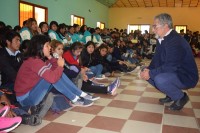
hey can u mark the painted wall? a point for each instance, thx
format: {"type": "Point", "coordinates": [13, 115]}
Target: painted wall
{"type": "Point", "coordinates": [9, 12]}
{"type": "Point", "coordinates": [59, 10]}
{"type": "Point", "coordinates": [121, 17]}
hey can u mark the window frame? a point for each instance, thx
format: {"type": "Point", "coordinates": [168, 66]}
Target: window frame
{"type": "Point", "coordinates": [34, 5]}
{"type": "Point", "coordinates": [100, 23]}
{"type": "Point", "coordinates": [77, 17]}
{"type": "Point", "coordinates": [180, 26]}
{"type": "Point", "coordinates": [137, 25]}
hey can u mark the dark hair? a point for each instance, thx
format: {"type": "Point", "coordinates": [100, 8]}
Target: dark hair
{"type": "Point", "coordinates": [62, 26]}
{"type": "Point", "coordinates": [92, 30]}
{"type": "Point", "coordinates": [97, 28]}
{"type": "Point", "coordinates": [52, 23]}
{"type": "Point", "coordinates": [36, 46]}
{"type": "Point", "coordinates": [24, 45]}
{"type": "Point", "coordinates": [17, 28]}
{"type": "Point", "coordinates": [102, 47]}
{"type": "Point", "coordinates": [24, 22]}
{"type": "Point", "coordinates": [115, 42]}
{"type": "Point", "coordinates": [75, 25]}
{"type": "Point", "coordinates": [9, 27]}
{"type": "Point", "coordinates": [10, 35]}
{"type": "Point", "coordinates": [76, 45]}
{"type": "Point", "coordinates": [2, 24]}
{"type": "Point", "coordinates": [89, 43]}
{"type": "Point", "coordinates": [110, 45]}
{"type": "Point", "coordinates": [41, 24]}
{"type": "Point", "coordinates": [69, 27]}
{"type": "Point", "coordinates": [82, 30]}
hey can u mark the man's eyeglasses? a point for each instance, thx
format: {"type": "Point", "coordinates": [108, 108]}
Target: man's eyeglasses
{"type": "Point", "coordinates": [156, 26]}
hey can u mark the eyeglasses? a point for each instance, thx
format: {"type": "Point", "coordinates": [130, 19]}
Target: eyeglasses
{"type": "Point", "coordinates": [156, 26]}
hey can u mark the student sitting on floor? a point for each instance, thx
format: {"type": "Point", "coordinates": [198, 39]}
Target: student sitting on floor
{"type": "Point", "coordinates": [39, 73]}
{"type": "Point", "coordinates": [87, 85]}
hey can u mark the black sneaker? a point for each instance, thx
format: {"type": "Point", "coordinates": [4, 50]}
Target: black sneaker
{"type": "Point", "coordinates": [42, 108]}
{"type": "Point", "coordinates": [81, 102]}
{"type": "Point", "coordinates": [32, 120]}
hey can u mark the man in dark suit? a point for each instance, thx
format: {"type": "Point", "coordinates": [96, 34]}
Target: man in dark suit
{"type": "Point", "coordinates": [173, 67]}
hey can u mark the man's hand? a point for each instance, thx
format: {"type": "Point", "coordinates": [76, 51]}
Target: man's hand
{"type": "Point", "coordinates": [145, 74]}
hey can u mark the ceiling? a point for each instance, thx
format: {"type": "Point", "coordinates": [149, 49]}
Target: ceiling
{"type": "Point", "coordinates": [150, 3]}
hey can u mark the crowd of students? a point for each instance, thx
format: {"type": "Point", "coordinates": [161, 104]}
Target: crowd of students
{"type": "Point", "coordinates": [57, 66]}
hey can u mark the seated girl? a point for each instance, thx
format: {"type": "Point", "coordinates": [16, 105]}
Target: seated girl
{"type": "Point", "coordinates": [87, 85]}
{"type": "Point", "coordinates": [87, 60]}
{"type": "Point", "coordinates": [39, 73]}
{"type": "Point", "coordinates": [100, 58]}
{"type": "Point", "coordinates": [29, 31]}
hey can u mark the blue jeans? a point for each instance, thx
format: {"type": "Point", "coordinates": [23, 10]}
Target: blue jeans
{"type": "Point", "coordinates": [169, 84]}
{"type": "Point", "coordinates": [64, 85]}
{"type": "Point", "coordinates": [97, 70]}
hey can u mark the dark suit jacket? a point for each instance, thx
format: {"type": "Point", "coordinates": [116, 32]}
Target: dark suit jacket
{"type": "Point", "coordinates": [174, 55]}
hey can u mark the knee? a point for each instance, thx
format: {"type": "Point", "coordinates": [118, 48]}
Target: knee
{"type": "Point", "coordinates": [161, 80]}
{"type": "Point", "coordinates": [99, 67]}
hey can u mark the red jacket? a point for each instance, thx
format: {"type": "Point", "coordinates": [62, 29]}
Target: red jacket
{"type": "Point", "coordinates": [33, 70]}
{"type": "Point", "coordinates": [69, 58]}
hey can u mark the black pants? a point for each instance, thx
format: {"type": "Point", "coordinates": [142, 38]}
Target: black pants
{"type": "Point", "coordinates": [88, 87]}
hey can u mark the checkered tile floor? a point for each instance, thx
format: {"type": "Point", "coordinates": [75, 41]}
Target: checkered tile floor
{"type": "Point", "coordinates": [135, 109]}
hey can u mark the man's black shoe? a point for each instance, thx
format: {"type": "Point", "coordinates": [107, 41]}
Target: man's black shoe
{"type": "Point", "coordinates": [179, 104]}
{"type": "Point", "coordinates": [165, 100]}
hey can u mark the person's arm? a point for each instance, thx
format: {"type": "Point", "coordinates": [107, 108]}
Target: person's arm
{"type": "Point", "coordinates": [46, 72]}
{"type": "Point", "coordinates": [70, 59]}
{"type": "Point", "coordinates": [173, 58]}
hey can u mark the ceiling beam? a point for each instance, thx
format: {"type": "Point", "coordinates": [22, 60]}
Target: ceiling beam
{"type": "Point", "coordinates": [123, 3]}
{"type": "Point", "coordinates": [137, 3]}
{"type": "Point", "coordinates": [190, 3]}
{"type": "Point", "coordinates": [130, 3]}
{"type": "Point", "coordinates": [151, 3]}
{"type": "Point", "coordinates": [174, 3]}
{"type": "Point", "coordinates": [159, 2]}
{"type": "Point", "coordinates": [181, 3]}
{"type": "Point", "coordinates": [144, 3]}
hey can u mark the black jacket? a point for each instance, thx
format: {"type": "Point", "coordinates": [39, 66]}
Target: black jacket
{"type": "Point", "coordinates": [174, 55]}
{"type": "Point", "coordinates": [88, 60]}
{"type": "Point", "coordinates": [9, 66]}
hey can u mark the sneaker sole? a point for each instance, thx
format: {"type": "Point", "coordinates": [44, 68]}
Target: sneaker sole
{"type": "Point", "coordinates": [113, 92]}
{"type": "Point", "coordinates": [94, 99]}
{"type": "Point", "coordinates": [119, 82]}
{"type": "Point", "coordinates": [12, 128]}
{"type": "Point", "coordinates": [100, 78]}
{"type": "Point", "coordinates": [74, 105]}
{"type": "Point", "coordinates": [4, 112]}
{"type": "Point", "coordinates": [47, 104]}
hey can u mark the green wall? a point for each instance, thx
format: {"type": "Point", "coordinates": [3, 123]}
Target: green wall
{"type": "Point", "coordinates": [59, 10]}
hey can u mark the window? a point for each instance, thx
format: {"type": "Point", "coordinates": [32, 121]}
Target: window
{"type": "Point", "coordinates": [132, 28]}
{"type": "Point", "coordinates": [77, 20]}
{"type": "Point", "coordinates": [101, 25]}
{"type": "Point", "coordinates": [180, 27]}
{"type": "Point", "coordinates": [28, 10]}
